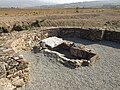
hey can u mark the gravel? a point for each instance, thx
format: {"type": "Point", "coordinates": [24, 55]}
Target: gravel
{"type": "Point", "coordinates": [46, 73]}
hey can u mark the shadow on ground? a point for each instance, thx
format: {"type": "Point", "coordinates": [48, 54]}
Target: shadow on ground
{"type": "Point", "coordinates": [89, 42]}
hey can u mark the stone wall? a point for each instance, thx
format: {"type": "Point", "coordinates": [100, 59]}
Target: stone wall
{"type": "Point", "coordinates": [13, 67]}
{"type": "Point", "coordinates": [112, 36]}
{"type": "Point", "coordinates": [90, 34]}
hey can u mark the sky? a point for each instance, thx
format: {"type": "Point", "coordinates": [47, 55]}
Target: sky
{"type": "Point", "coordinates": [65, 1]}
{"type": "Point", "coordinates": [56, 1]}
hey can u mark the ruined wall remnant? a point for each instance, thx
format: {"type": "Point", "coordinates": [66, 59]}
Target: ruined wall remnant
{"type": "Point", "coordinates": [84, 54]}
{"type": "Point", "coordinates": [91, 34]}
{"type": "Point", "coordinates": [112, 36]}
{"type": "Point", "coordinates": [71, 55]}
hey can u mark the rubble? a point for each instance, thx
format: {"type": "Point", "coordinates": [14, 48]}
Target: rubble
{"type": "Point", "coordinates": [18, 82]}
{"type": "Point", "coordinates": [5, 84]}
{"type": "Point", "coordinates": [2, 70]}
{"type": "Point", "coordinates": [12, 64]}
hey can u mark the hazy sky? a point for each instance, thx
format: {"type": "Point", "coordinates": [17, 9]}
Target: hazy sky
{"type": "Point", "coordinates": [65, 1]}
{"type": "Point", "coordinates": [56, 1]}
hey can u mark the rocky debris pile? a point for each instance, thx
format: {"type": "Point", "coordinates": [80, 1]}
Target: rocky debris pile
{"type": "Point", "coordinates": [5, 84]}
{"type": "Point", "coordinates": [13, 67]}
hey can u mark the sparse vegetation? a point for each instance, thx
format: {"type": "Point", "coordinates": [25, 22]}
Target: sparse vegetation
{"type": "Point", "coordinates": [77, 9]}
{"type": "Point", "coordinates": [4, 30]}
{"type": "Point", "coordinates": [18, 27]}
{"type": "Point", "coordinates": [79, 17]}
{"type": "Point", "coordinates": [6, 13]}
{"type": "Point", "coordinates": [36, 24]}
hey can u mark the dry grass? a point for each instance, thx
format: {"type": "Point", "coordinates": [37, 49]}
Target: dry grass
{"type": "Point", "coordinates": [64, 17]}
{"type": "Point", "coordinates": [31, 12]}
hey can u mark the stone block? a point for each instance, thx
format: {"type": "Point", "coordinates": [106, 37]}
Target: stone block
{"type": "Point", "coordinates": [18, 82]}
{"type": "Point", "coordinates": [2, 70]}
{"type": "Point", "coordinates": [22, 66]}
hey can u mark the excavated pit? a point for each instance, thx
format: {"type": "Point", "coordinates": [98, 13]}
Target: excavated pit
{"type": "Point", "coordinates": [71, 54]}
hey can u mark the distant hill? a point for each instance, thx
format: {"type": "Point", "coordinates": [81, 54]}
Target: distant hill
{"type": "Point", "coordinates": [22, 3]}
{"type": "Point", "coordinates": [42, 4]}
{"type": "Point", "coordinates": [92, 4]}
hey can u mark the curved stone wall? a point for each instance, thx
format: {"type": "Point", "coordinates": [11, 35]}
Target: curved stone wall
{"type": "Point", "coordinates": [91, 34]}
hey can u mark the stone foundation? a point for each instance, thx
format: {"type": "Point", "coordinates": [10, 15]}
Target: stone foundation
{"type": "Point", "coordinates": [90, 34]}
{"type": "Point", "coordinates": [112, 36]}
{"type": "Point", "coordinates": [74, 55]}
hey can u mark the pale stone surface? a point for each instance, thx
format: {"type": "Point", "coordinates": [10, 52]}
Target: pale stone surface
{"type": "Point", "coordinates": [18, 82]}
{"type": "Point", "coordinates": [5, 84]}
{"type": "Point", "coordinates": [52, 41]}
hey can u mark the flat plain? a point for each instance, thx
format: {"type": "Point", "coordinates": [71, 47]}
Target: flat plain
{"type": "Point", "coordinates": [86, 18]}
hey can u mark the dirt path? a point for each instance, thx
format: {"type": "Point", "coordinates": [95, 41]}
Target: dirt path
{"type": "Point", "coordinates": [47, 74]}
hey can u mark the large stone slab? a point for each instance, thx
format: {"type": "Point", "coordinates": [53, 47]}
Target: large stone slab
{"type": "Point", "coordinates": [52, 42]}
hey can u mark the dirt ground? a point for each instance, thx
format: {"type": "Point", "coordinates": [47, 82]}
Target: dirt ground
{"type": "Point", "coordinates": [87, 18]}
{"type": "Point", "coordinates": [46, 73]}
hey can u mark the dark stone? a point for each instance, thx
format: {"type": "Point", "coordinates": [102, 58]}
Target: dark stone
{"type": "Point", "coordinates": [22, 66]}
{"type": "Point", "coordinates": [37, 23]}
{"type": "Point", "coordinates": [91, 34]}
{"type": "Point", "coordinates": [81, 53]}
{"type": "Point", "coordinates": [11, 71]}
{"type": "Point", "coordinates": [112, 36]}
